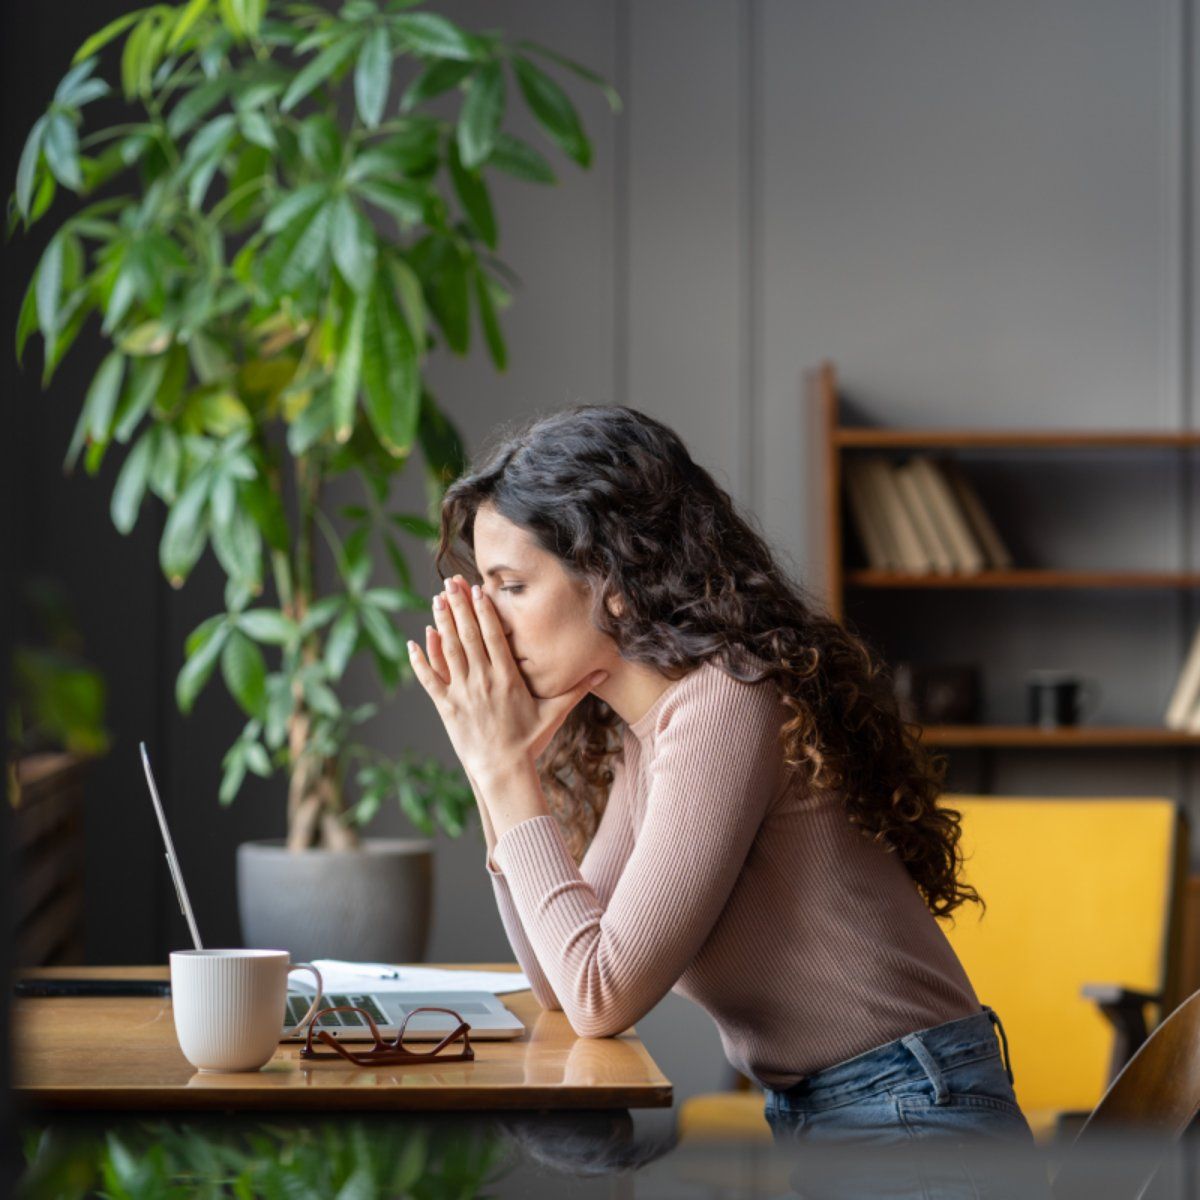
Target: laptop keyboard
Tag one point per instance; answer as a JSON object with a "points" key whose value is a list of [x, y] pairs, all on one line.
{"points": [[297, 1006]]}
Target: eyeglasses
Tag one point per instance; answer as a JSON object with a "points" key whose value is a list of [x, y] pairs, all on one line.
{"points": [[384, 1051]]}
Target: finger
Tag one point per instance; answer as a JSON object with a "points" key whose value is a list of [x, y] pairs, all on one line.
{"points": [[433, 651], [498, 649], [452, 651], [467, 627], [426, 676]]}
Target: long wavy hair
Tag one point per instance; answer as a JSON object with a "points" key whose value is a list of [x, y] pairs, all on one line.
{"points": [[615, 496]]}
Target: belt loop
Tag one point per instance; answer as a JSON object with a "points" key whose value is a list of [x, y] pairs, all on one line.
{"points": [[995, 1020], [919, 1051]]}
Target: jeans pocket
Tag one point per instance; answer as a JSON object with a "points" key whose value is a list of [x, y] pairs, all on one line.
{"points": [[965, 1115]]}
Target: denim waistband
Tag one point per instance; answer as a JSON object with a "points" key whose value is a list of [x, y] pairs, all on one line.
{"points": [[922, 1053]]}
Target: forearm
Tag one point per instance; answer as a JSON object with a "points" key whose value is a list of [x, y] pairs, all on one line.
{"points": [[489, 833], [518, 940], [510, 793]]}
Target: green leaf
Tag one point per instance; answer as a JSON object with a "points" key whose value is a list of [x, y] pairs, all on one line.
{"points": [[245, 673], [185, 533], [49, 285], [380, 631], [349, 369], [310, 425], [441, 442], [404, 201], [258, 760], [110, 31], [412, 299], [519, 159], [235, 772], [321, 613], [614, 100], [130, 487], [437, 78], [27, 167], [95, 419], [430, 34], [553, 110], [262, 502], [439, 264], [238, 548], [390, 372], [339, 646], [372, 75], [315, 72], [201, 634], [197, 103], [473, 195], [298, 251], [292, 205], [353, 243], [198, 669], [146, 376], [482, 112], [191, 13], [27, 321], [487, 317], [267, 625]]}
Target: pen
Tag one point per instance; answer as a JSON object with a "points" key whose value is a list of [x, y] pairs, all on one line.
{"points": [[91, 987]]}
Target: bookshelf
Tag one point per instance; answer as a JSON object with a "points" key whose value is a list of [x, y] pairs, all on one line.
{"points": [[830, 442]]}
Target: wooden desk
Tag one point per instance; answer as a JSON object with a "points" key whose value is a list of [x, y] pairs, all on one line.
{"points": [[121, 1053]]}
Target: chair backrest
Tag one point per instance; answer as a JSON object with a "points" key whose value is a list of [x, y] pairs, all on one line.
{"points": [[1151, 1102], [1078, 890]]}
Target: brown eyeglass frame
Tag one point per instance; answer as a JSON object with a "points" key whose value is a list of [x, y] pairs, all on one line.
{"points": [[384, 1051]]}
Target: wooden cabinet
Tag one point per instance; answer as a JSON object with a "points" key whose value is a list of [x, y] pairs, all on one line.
{"points": [[47, 849]]}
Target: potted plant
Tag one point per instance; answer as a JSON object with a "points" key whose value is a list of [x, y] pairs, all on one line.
{"points": [[276, 237]]}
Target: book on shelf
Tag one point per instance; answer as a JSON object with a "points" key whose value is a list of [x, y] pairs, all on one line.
{"points": [[937, 548], [994, 549], [965, 550], [922, 516], [909, 548], [867, 518], [1183, 709]]}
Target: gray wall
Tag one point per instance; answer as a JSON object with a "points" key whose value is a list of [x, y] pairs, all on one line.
{"points": [[983, 213]]}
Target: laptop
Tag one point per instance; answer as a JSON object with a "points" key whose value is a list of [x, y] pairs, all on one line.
{"points": [[483, 1011]]}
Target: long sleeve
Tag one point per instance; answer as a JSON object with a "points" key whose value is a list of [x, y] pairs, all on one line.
{"points": [[609, 960], [601, 867]]}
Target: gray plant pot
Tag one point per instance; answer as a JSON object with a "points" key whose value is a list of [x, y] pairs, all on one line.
{"points": [[369, 904]]}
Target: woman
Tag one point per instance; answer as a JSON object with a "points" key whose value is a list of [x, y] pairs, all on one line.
{"points": [[690, 779]]}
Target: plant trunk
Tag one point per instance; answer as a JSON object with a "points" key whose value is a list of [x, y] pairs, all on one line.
{"points": [[314, 790], [314, 794]]}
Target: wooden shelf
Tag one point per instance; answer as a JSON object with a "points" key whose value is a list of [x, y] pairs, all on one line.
{"points": [[1028, 578], [1067, 738], [850, 437], [829, 442]]}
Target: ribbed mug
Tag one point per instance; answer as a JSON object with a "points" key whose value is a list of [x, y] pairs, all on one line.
{"points": [[230, 1005]]}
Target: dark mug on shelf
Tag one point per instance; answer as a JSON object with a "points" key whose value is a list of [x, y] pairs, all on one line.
{"points": [[938, 694], [1060, 698]]}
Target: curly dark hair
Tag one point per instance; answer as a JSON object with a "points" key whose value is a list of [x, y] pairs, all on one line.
{"points": [[616, 497]]}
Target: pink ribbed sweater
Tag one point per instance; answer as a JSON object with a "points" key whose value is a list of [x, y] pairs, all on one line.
{"points": [[713, 875]]}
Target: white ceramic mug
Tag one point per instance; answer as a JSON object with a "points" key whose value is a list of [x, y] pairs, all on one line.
{"points": [[230, 1005]]}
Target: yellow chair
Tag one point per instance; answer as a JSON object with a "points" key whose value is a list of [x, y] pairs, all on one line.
{"points": [[1084, 899], [1081, 894]]}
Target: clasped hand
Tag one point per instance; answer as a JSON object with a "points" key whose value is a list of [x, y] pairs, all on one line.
{"points": [[493, 720]]}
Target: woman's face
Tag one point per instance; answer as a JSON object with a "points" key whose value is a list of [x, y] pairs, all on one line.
{"points": [[545, 613]]}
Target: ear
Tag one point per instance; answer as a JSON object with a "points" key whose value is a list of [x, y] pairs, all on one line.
{"points": [[615, 605]]}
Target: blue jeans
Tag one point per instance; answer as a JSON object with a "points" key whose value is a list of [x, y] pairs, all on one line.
{"points": [[936, 1089]]}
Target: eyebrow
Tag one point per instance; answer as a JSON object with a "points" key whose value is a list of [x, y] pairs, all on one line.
{"points": [[498, 568]]}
